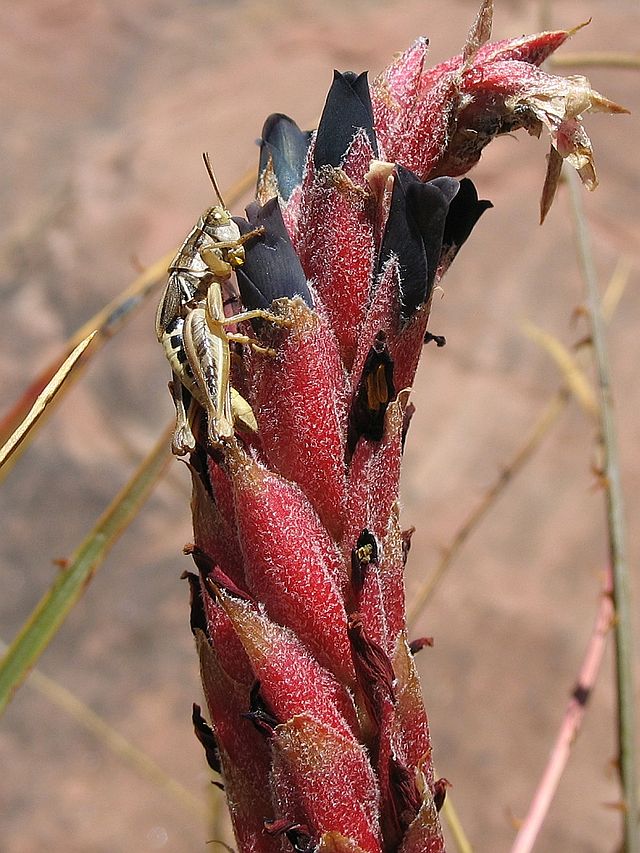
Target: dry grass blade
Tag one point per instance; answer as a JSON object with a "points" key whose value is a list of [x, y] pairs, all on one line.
{"points": [[455, 826], [597, 59], [129, 754], [104, 325], [44, 399], [55, 605], [574, 377]]}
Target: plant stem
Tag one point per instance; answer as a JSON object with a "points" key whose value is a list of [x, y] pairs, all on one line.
{"points": [[574, 715], [615, 521]]}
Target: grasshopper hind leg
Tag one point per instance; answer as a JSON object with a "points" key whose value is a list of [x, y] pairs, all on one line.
{"points": [[183, 441], [208, 357]]}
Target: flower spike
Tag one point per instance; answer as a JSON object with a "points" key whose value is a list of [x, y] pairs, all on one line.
{"points": [[318, 725]]}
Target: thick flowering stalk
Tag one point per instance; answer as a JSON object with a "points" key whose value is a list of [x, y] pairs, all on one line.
{"points": [[318, 727]]}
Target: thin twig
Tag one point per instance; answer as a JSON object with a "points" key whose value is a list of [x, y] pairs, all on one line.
{"points": [[552, 411], [571, 724], [547, 419], [615, 521], [549, 416]]}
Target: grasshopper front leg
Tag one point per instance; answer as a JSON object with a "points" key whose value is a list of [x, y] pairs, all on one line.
{"points": [[217, 321], [222, 256]]}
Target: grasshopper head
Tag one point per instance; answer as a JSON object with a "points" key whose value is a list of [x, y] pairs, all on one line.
{"points": [[216, 216]]}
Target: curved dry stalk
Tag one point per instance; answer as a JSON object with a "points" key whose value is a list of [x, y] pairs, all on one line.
{"points": [[44, 399], [570, 726]]}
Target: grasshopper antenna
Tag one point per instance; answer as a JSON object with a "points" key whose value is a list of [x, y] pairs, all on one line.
{"points": [[212, 177]]}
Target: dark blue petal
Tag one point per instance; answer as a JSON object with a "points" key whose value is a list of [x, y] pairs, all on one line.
{"points": [[428, 204], [271, 268], [347, 109], [287, 145], [464, 211], [207, 738], [414, 233]]}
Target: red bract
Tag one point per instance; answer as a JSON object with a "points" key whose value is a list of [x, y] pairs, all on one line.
{"points": [[437, 121], [298, 606]]}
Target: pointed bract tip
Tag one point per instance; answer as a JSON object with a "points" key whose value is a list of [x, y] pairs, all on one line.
{"points": [[578, 27]]}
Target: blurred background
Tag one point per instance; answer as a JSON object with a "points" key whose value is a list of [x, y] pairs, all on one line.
{"points": [[106, 109]]}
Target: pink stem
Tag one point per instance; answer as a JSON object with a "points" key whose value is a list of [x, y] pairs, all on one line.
{"points": [[571, 723]]}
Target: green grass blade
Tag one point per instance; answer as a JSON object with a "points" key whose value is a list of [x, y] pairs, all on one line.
{"points": [[56, 604]]}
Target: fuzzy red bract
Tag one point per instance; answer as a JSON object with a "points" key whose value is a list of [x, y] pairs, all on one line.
{"points": [[298, 607]]}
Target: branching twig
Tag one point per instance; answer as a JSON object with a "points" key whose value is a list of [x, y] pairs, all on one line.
{"points": [[553, 409], [571, 723]]}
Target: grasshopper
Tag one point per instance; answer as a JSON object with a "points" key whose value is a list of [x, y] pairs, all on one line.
{"points": [[191, 326]]}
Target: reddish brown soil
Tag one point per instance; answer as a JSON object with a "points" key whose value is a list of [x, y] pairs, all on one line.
{"points": [[106, 108]]}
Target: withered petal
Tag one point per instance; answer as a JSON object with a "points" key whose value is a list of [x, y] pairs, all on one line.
{"points": [[346, 110], [297, 834], [374, 669], [211, 573], [197, 617], [287, 145], [429, 205], [271, 268], [419, 643], [405, 796], [259, 713], [440, 792], [207, 738]]}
